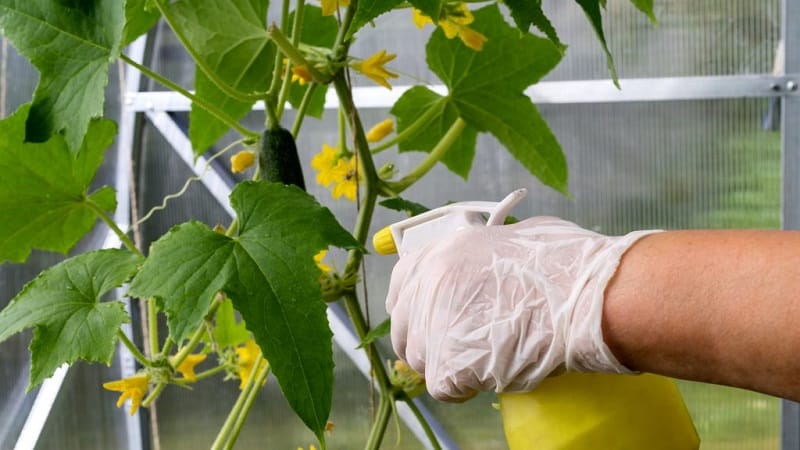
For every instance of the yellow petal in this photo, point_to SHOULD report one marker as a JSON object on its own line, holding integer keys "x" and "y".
{"x": 186, "y": 368}
{"x": 420, "y": 19}
{"x": 301, "y": 75}
{"x": 318, "y": 259}
{"x": 373, "y": 69}
{"x": 242, "y": 161}
{"x": 329, "y": 7}
{"x": 134, "y": 388}
{"x": 472, "y": 38}
{"x": 380, "y": 131}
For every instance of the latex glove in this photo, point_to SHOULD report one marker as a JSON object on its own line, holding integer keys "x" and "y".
{"x": 502, "y": 307}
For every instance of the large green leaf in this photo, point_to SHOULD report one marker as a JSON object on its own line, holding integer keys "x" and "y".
{"x": 529, "y": 12}
{"x": 593, "y": 13}
{"x": 71, "y": 43}
{"x": 63, "y": 304}
{"x": 318, "y": 31}
{"x": 44, "y": 199}
{"x": 412, "y": 105}
{"x": 368, "y": 11}
{"x": 269, "y": 272}
{"x": 230, "y": 38}
{"x": 487, "y": 89}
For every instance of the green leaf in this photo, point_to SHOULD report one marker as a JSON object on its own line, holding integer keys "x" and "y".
{"x": 431, "y": 8}
{"x": 63, "y": 304}
{"x": 139, "y": 19}
{"x": 269, "y": 272}
{"x": 411, "y": 105}
{"x": 227, "y": 331}
{"x": 71, "y": 43}
{"x": 44, "y": 199}
{"x": 366, "y": 12}
{"x": 230, "y": 37}
{"x": 592, "y": 10}
{"x": 646, "y": 6}
{"x": 529, "y": 12}
{"x": 318, "y": 31}
{"x": 403, "y": 205}
{"x": 381, "y": 330}
{"x": 487, "y": 88}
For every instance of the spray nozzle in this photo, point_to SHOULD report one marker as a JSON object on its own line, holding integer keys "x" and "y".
{"x": 407, "y": 235}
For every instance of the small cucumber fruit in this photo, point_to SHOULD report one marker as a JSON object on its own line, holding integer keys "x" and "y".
{"x": 277, "y": 158}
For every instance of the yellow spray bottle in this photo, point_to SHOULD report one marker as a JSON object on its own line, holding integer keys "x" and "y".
{"x": 572, "y": 411}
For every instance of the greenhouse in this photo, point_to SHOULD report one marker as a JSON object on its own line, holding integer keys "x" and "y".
{"x": 419, "y": 224}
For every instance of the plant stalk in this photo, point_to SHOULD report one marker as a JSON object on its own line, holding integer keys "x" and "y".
{"x": 221, "y": 84}
{"x": 379, "y": 426}
{"x": 412, "y": 129}
{"x": 210, "y": 108}
{"x": 248, "y": 403}
{"x": 137, "y": 354}
{"x": 301, "y": 109}
{"x": 222, "y": 436}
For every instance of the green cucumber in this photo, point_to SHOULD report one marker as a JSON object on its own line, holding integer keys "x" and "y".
{"x": 277, "y": 158}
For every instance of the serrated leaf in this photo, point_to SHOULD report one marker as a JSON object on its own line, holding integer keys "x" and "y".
{"x": 318, "y": 31}
{"x": 592, "y": 10}
{"x": 139, "y": 19}
{"x": 63, "y": 304}
{"x": 269, "y": 272}
{"x": 403, "y": 205}
{"x": 230, "y": 37}
{"x": 44, "y": 199}
{"x": 366, "y": 12}
{"x": 71, "y": 44}
{"x": 227, "y": 331}
{"x": 487, "y": 89}
{"x": 381, "y": 330}
{"x": 431, "y": 8}
{"x": 646, "y": 6}
{"x": 529, "y": 12}
{"x": 411, "y": 105}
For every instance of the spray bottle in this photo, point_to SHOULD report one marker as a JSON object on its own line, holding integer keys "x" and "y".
{"x": 572, "y": 411}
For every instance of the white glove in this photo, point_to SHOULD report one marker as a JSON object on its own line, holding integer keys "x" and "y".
{"x": 502, "y": 307}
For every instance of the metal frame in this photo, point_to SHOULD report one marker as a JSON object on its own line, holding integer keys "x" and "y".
{"x": 790, "y": 202}
{"x": 157, "y": 105}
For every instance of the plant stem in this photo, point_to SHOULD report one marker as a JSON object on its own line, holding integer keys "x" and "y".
{"x": 210, "y": 108}
{"x": 210, "y": 372}
{"x": 113, "y": 225}
{"x": 221, "y": 84}
{"x": 152, "y": 325}
{"x": 168, "y": 343}
{"x": 153, "y": 395}
{"x": 272, "y": 105}
{"x": 412, "y": 129}
{"x": 294, "y": 54}
{"x": 342, "y": 44}
{"x": 245, "y": 411}
{"x": 297, "y": 27}
{"x": 301, "y": 110}
{"x": 424, "y": 423}
{"x": 140, "y": 358}
{"x": 198, "y": 333}
{"x": 433, "y": 157}
{"x": 379, "y": 426}
{"x": 237, "y": 407}
{"x": 354, "y": 311}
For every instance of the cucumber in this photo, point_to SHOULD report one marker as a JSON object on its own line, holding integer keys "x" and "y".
{"x": 277, "y": 158}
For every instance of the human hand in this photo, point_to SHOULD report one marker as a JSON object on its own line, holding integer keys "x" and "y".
{"x": 502, "y": 307}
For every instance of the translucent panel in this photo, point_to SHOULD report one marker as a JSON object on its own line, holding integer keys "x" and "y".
{"x": 719, "y": 37}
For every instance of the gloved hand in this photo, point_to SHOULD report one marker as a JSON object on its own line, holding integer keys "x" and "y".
{"x": 502, "y": 307}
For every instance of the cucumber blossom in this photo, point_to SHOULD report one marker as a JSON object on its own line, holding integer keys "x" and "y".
{"x": 277, "y": 158}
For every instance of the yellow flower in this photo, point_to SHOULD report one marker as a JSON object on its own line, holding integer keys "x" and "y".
{"x": 318, "y": 259}
{"x": 132, "y": 388}
{"x": 242, "y": 161}
{"x": 347, "y": 184}
{"x": 301, "y": 75}
{"x": 420, "y": 19}
{"x": 380, "y": 131}
{"x": 247, "y": 356}
{"x": 324, "y": 162}
{"x": 454, "y": 22}
{"x": 373, "y": 69}
{"x": 330, "y": 6}
{"x": 186, "y": 367}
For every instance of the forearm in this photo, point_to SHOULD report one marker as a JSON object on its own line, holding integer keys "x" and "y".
{"x": 713, "y": 306}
